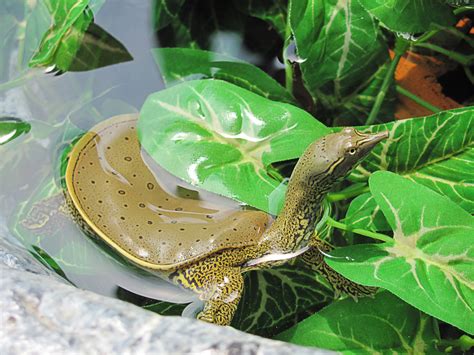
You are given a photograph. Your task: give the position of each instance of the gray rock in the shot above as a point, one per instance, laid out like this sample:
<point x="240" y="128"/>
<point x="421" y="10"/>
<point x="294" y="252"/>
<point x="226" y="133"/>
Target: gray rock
<point x="41" y="313"/>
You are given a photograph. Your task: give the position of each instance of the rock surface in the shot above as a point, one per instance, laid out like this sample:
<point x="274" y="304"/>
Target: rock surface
<point x="41" y="313"/>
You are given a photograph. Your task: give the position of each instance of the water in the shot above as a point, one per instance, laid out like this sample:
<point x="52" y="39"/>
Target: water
<point x="62" y="106"/>
<point x="59" y="108"/>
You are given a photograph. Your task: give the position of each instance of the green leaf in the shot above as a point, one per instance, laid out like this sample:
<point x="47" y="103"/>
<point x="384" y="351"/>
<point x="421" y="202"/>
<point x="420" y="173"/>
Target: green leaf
<point x="277" y="298"/>
<point x="203" y="24"/>
<point x="223" y="138"/>
<point x="429" y="263"/>
<point x="364" y="213"/>
<point x="11" y="128"/>
<point x="66" y="36"/>
<point x="270" y="11"/>
<point x="165" y="11"/>
<point x="306" y="21"/>
<point x="165" y="308"/>
<point x="60" y="43"/>
<point x="436" y="151"/>
<point x="98" y="49"/>
<point x="273" y="299"/>
<point x="384" y="324"/>
<point x="411" y="16"/>
<point x="348" y="50"/>
<point x="180" y="64"/>
<point x="48" y="261"/>
<point x="227" y="28"/>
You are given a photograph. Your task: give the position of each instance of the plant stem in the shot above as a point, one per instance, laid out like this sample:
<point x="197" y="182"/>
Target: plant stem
<point x="288" y="64"/>
<point x="469" y="74"/>
<point x="275" y="173"/>
<point x="464" y="343"/>
<point x="384" y="238"/>
<point x="347" y="193"/>
<point x="417" y="99"/>
<point x="457" y="57"/>
<point x="401" y="46"/>
<point x="426" y="36"/>
<point x="24" y="77"/>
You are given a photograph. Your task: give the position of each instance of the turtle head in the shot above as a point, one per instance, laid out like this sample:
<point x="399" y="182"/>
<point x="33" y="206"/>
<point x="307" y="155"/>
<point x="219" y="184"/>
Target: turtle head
<point x="332" y="157"/>
<point x="345" y="149"/>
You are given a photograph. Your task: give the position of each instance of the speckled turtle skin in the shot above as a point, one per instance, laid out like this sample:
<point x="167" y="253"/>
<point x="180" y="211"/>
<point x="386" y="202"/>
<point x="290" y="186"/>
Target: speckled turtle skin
<point x="113" y="193"/>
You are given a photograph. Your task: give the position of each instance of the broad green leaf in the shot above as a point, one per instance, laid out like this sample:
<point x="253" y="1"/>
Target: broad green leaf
<point x="223" y="138"/>
<point x="306" y="21"/>
<point x="436" y="151"/>
<point x="429" y="263"/>
<point x="98" y="49"/>
<point x="273" y="299"/>
<point x="348" y="50"/>
<point x="271" y="11"/>
<point x="70" y="19"/>
<point x="277" y="298"/>
<point x="165" y="11"/>
<point x="227" y="28"/>
<point x="180" y="64"/>
<point x="165" y="308"/>
<point x="364" y="213"/>
<point x="201" y="24"/>
<point x="11" y="128"/>
<point x="410" y="16"/>
<point x="381" y="325"/>
<point x="37" y="24"/>
<point x="49" y="262"/>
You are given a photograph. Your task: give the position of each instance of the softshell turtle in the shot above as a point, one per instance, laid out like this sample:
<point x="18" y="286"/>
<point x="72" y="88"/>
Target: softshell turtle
<point x="113" y="193"/>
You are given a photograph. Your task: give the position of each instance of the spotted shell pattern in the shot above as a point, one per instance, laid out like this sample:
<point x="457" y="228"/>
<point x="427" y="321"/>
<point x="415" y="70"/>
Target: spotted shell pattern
<point x="118" y="195"/>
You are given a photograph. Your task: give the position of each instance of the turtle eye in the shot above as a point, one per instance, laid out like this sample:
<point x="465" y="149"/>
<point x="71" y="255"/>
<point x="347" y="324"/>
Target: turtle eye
<point x="352" y="151"/>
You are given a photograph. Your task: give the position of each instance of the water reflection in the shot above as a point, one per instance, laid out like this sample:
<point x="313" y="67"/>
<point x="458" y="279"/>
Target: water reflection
<point x="59" y="108"/>
<point x="62" y="107"/>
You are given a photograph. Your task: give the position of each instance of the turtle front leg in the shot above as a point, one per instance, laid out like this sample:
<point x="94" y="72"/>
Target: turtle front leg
<point x="47" y="216"/>
<point x="314" y="258"/>
<point x="220" y="289"/>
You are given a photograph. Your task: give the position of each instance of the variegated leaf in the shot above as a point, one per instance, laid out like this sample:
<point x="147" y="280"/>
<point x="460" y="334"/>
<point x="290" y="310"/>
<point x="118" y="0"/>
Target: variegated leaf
<point x="436" y="151"/>
<point x="429" y="263"/>
<point x="275" y="299"/>
<point x="411" y="16"/>
<point x="223" y="138"/>
<point x="364" y="213"/>
<point x="383" y="325"/>
<point x="349" y="49"/>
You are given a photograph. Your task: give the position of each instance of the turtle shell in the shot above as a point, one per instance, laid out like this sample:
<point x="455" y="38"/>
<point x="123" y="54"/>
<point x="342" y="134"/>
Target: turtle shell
<point x="115" y="188"/>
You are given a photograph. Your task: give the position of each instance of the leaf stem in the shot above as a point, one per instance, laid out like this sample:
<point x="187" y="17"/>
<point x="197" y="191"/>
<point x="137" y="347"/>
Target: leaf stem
<point x="427" y="35"/>
<point x="378" y="236"/>
<point x="288" y="64"/>
<point x="417" y="99"/>
<point x="401" y="46"/>
<point x="469" y="74"/>
<point x="347" y="193"/>
<point x="457" y="57"/>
